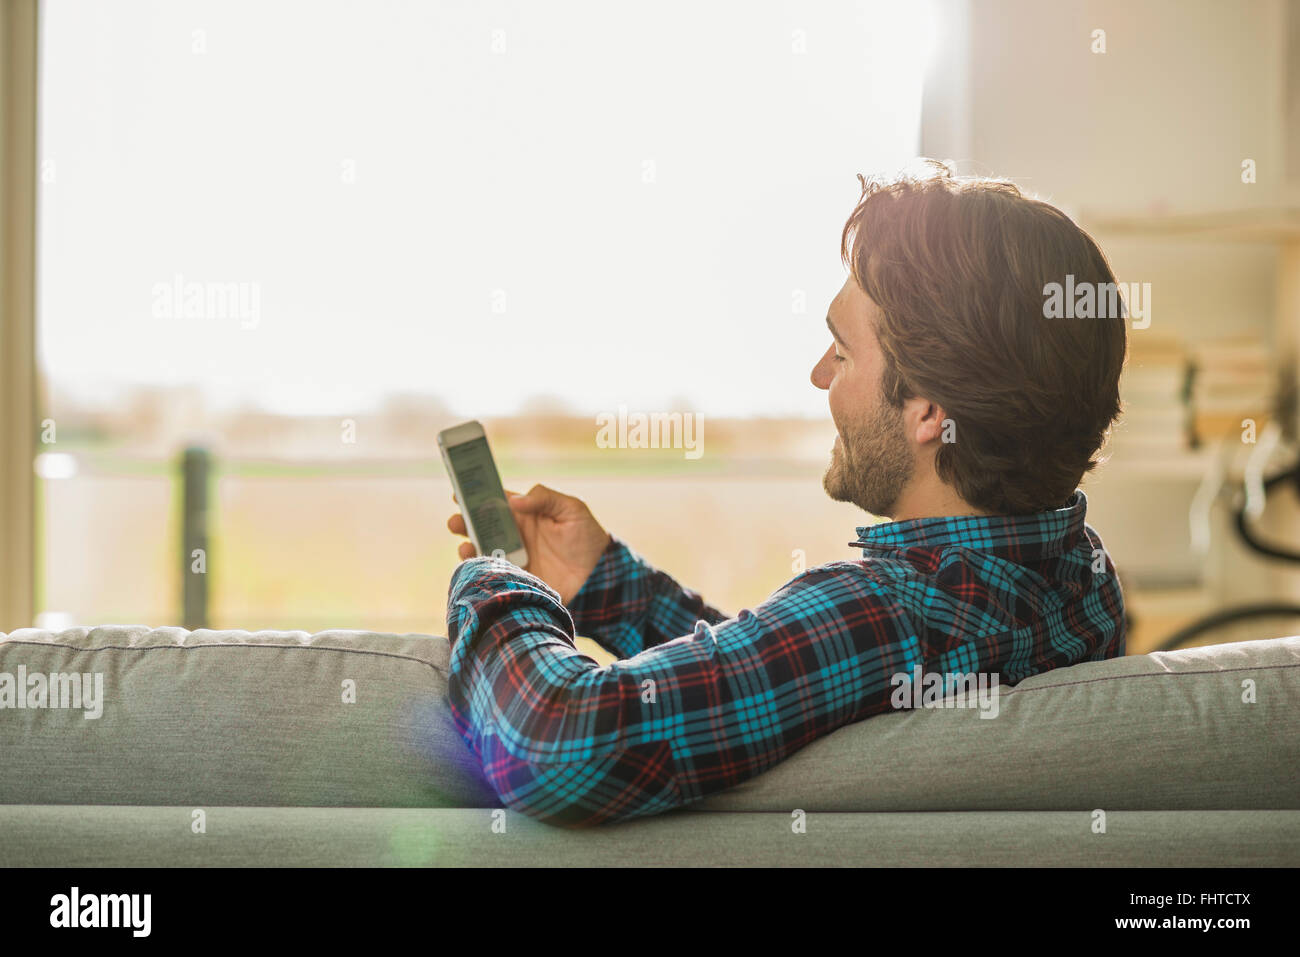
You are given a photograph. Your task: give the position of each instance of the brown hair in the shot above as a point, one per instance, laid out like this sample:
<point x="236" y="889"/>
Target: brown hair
<point x="959" y="268"/>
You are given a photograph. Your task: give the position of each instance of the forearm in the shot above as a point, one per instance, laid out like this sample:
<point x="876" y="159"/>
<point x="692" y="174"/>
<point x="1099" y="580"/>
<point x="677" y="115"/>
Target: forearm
<point x="628" y="605"/>
<point x="566" y="741"/>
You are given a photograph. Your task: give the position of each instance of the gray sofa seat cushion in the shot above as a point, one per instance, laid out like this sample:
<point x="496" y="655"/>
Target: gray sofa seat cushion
<point x="210" y="718"/>
<point x="89" y="836"/>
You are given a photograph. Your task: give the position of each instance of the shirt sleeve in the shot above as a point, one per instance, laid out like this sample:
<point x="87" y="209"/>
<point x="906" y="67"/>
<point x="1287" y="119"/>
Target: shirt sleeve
<point x="572" y="743"/>
<point x="627" y="605"/>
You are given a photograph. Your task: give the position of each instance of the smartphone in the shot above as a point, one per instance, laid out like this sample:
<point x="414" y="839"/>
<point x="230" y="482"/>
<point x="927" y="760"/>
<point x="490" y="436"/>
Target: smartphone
<point x="474" y="477"/>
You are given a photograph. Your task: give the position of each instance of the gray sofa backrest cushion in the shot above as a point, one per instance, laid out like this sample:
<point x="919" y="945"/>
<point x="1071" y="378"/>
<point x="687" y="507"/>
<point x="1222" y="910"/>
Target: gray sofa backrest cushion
<point x="239" y="718"/>
<point x="1164" y="731"/>
<point x="233" y="718"/>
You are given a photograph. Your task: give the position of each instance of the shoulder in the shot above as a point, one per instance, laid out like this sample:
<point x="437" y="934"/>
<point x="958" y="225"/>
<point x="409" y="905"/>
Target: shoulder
<point x="843" y="583"/>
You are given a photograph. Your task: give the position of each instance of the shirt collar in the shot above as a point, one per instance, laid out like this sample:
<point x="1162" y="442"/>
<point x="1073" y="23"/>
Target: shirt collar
<point x="1021" y="537"/>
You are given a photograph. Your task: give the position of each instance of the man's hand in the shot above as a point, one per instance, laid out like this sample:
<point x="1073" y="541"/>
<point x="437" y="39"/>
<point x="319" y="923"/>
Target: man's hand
<point x="563" y="538"/>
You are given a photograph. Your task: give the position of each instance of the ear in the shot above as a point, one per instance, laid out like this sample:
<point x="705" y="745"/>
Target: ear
<point x="928" y="421"/>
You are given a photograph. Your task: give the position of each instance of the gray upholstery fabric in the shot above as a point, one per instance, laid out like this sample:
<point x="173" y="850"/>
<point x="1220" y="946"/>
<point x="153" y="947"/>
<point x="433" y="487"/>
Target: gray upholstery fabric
<point x="1162" y="731"/>
<point x="327" y="837"/>
<point x="231" y="718"/>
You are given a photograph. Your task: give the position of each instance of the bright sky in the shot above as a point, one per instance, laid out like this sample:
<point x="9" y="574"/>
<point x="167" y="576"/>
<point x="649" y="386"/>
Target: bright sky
<point x="615" y="204"/>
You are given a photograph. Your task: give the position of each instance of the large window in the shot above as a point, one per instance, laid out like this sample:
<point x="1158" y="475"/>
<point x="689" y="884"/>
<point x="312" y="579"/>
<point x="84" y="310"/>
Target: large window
<point x="304" y="236"/>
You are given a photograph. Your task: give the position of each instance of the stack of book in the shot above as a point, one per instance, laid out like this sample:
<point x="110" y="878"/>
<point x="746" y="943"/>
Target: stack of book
<point x="1157" y="417"/>
<point x="1232" y="390"/>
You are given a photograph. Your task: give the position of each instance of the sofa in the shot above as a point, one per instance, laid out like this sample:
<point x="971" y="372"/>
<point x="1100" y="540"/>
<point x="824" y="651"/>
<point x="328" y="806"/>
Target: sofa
<point x="231" y="748"/>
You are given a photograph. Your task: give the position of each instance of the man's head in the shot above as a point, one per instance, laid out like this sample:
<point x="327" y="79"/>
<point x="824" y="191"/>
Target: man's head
<point x="950" y="390"/>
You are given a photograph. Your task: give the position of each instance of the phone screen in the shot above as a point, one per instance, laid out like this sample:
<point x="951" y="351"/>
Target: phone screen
<point x="482" y="497"/>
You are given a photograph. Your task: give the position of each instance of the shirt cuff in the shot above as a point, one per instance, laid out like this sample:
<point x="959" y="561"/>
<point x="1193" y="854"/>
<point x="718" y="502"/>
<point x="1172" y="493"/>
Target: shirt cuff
<point x="478" y="580"/>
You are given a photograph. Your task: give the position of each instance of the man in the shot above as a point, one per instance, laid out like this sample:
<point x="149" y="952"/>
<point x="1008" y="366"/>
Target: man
<point x="963" y="414"/>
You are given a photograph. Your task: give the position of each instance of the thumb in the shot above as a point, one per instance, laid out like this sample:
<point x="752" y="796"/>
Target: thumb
<point x="538" y="499"/>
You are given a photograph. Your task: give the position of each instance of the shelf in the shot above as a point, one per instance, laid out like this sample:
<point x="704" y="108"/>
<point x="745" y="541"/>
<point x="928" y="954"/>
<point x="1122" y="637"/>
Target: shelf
<point x="1267" y="225"/>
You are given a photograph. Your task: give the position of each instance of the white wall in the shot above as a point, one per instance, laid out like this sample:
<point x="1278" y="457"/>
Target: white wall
<point x="1158" y="124"/>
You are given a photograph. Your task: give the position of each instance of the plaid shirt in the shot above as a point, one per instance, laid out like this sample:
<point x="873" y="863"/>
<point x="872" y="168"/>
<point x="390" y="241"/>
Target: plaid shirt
<point x="701" y="701"/>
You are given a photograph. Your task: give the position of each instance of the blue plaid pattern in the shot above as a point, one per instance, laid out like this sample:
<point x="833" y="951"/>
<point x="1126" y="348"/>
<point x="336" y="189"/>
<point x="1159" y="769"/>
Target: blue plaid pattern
<point x="700" y="701"/>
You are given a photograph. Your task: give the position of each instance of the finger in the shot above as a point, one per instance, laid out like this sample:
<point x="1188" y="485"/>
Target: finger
<point x="466" y="550"/>
<point x="539" y="499"/>
<point x="457" y="524"/>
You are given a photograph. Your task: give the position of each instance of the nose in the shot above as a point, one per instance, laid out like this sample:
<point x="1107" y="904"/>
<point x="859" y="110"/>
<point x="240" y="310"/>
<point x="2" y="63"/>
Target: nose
<point x="821" y="373"/>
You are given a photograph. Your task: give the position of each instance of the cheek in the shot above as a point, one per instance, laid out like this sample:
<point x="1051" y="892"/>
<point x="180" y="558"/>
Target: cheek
<point x="847" y="397"/>
<point x="835" y="398"/>
<point x="856" y="402"/>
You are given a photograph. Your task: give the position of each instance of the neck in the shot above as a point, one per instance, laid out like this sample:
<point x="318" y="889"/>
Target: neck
<point x="931" y="500"/>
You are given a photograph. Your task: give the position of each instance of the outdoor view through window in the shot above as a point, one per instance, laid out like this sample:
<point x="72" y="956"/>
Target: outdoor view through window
<point x="304" y="238"/>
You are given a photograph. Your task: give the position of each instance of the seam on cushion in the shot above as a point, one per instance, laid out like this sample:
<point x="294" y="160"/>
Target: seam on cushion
<point x="1154" y="674"/>
<point x="349" y="651"/>
<point x="442" y="671"/>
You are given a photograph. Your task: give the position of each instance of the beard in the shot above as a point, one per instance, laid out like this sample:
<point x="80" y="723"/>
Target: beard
<point x="871" y="463"/>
